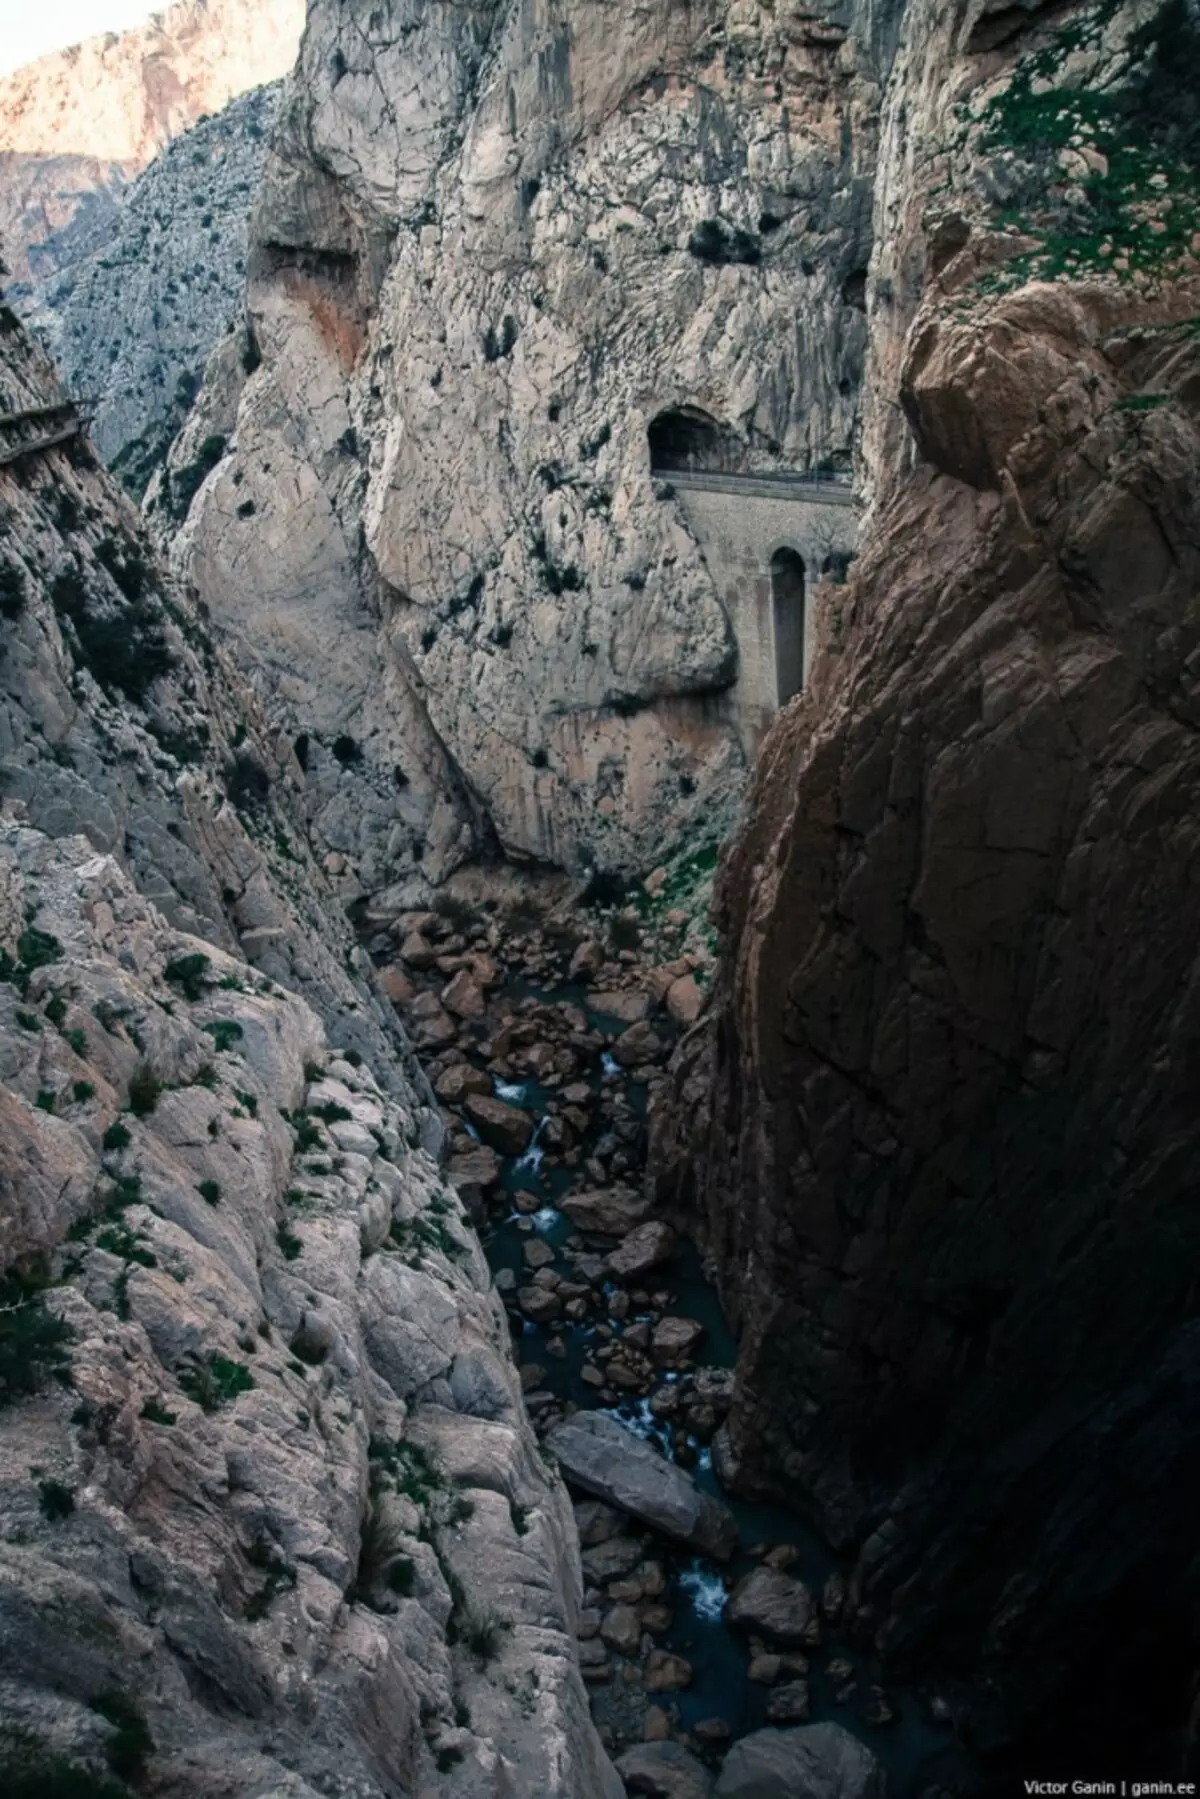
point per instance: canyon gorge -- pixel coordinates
(598, 1006)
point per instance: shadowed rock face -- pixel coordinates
(948, 1169)
(496, 242)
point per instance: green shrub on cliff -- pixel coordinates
(1107, 179)
(33, 1342)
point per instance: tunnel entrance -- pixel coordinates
(788, 623)
(685, 439)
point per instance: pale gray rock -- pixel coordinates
(289, 1370)
(494, 244)
(817, 1761)
(133, 301)
(603, 1458)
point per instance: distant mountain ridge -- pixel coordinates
(137, 293)
(77, 125)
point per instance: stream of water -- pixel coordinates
(910, 1744)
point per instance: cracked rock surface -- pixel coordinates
(946, 1168)
(494, 242)
(272, 1516)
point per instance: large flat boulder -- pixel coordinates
(599, 1455)
(645, 1248)
(817, 1761)
(773, 1604)
(606, 1211)
(504, 1128)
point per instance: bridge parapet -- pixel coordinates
(799, 487)
(742, 523)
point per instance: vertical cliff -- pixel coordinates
(948, 1163)
(495, 243)
(272, 1515)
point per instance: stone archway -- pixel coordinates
(788, 623)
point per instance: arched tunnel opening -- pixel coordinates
(788, 623)
(685, 438)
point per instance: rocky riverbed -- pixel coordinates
(706, 1618)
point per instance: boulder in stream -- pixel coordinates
(647, 1247)
(626, 1006)
(664, 1771)
(818, 1761)
(773, 1605)
(599, 1455)
(607, 1211)
(456, 1082)
(506, 1128)
(640, 1043)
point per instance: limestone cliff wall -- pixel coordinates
(494, 243)
(139, 292)
(948, 1165)
(77, 124)
(272, 1517)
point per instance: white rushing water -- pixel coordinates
(535, 1155)
(636, 1416)
(705, 1589)
(511, 1092)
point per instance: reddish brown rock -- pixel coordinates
(396, 984)
(685, 1000)
(417, 952)
(464, 996)
(674, 1339)
(505, 1128)
(628, 1005)
(640, 1043)
(460, 1079)
(949, 1162)
(606, 1212)
(667, 1673)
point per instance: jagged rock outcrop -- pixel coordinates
(77, 125)
(280, 1523)
(494, 243)
(139, 295)
(947, 1170)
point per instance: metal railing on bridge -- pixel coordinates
(826, 484)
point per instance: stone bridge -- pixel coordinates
(767, 540)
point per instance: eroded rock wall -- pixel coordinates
(139, 295)
(494, 243)
(946, 1157)
(280, 1523)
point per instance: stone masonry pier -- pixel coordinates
(767, 539)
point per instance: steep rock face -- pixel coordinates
(494, 243)
(947, 1168)
(76, 125)
(286, 1529)
(139, 295)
